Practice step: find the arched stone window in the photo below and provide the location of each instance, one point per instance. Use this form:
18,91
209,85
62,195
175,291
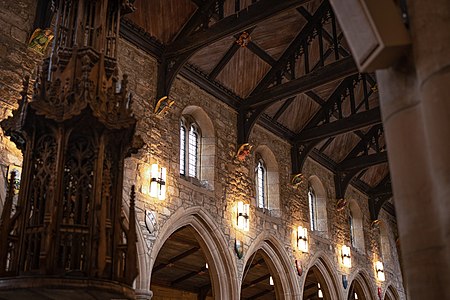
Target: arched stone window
261,183
197,147
317,202
266,179
312,208
356,226
190,143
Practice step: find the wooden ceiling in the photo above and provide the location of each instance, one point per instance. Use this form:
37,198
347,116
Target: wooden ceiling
293,74
256,284
181,264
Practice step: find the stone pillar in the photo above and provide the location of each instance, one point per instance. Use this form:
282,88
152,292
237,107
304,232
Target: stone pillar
143,294
415,106
431,45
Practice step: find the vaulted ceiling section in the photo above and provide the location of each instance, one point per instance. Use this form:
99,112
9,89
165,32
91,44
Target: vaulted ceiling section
282,64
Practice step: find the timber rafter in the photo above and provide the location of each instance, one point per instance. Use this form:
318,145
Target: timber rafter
272,87
197,34
360,158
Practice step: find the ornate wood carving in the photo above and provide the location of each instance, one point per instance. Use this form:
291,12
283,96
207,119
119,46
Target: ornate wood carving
75,134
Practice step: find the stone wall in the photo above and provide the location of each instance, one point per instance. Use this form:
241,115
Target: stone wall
16,61
233,179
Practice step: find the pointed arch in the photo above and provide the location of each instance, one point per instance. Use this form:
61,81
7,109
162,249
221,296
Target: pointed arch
280,262
361,284
391,294
272,187
323,265
224,277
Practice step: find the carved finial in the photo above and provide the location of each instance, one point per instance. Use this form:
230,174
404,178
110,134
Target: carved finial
243,151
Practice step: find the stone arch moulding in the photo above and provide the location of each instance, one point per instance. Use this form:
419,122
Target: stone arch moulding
208,142
361,277
224,270
391,293
273,177
142,282
280,261
324,264
321,203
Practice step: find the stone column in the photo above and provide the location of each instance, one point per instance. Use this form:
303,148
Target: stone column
415,105
143,294
430,27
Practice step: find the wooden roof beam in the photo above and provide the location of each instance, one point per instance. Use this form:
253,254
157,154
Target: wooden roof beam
189,275
363,162
351,123
300,39
176,258
334,71
257,280
232,24
260,294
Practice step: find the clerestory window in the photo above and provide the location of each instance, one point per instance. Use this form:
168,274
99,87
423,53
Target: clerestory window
261,184
190,138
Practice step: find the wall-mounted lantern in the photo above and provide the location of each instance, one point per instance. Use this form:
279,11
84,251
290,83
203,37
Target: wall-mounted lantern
158,182
243,216
346,257
302,239
379,268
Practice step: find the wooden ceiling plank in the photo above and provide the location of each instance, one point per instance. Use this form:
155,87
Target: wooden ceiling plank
363,162
189,275
260,294
283,108
232,24
224,61
350,123
253,282
328,73
300,39
176,258
261,53
226,58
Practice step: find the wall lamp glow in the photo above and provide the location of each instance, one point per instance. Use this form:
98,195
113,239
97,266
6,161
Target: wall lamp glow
302,239
271,280
243,216
319,292
380,271
158,182
346,258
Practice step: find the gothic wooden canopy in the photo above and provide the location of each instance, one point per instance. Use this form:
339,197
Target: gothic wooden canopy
284,65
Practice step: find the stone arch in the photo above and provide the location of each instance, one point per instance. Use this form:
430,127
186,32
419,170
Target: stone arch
323,264
320,202
361,279
273,176
357,225
142,282
208,143
281,263
391,294
223,269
